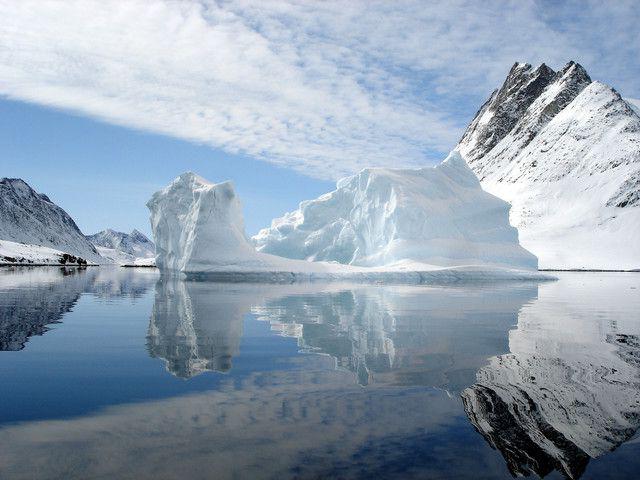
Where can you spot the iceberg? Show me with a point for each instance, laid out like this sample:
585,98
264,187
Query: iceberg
422,226
434,215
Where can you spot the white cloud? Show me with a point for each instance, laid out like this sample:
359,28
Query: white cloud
323,87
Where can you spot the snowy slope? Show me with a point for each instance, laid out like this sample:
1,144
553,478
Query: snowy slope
570,166
434,215
198,230
123,248
634,103
29,217
15,253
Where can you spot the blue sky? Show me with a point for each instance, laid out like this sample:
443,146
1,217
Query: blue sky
103,175
104,102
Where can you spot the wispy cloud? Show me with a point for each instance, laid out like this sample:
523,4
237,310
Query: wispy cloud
323,87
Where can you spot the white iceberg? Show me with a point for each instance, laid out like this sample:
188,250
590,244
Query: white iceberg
434,215
427,225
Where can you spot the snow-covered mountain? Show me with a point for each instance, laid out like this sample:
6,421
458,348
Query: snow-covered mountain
433,215
123,247
32,218
565,151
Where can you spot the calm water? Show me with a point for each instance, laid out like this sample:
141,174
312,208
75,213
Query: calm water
115,373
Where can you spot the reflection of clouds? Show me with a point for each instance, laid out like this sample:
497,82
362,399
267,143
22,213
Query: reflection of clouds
305,424
569,390
32,299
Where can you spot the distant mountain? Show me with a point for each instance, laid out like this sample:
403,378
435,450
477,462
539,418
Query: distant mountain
32,218
565,151
123,247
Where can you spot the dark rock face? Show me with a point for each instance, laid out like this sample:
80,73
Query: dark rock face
29,217
559,135
628,195
508,109
505,107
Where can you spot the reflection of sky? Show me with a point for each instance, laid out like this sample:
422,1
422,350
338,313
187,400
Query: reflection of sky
97,356
99,398
309,424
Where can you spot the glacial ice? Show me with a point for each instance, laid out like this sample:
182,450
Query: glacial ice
433,215
433,225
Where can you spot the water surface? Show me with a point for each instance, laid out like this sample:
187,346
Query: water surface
117,373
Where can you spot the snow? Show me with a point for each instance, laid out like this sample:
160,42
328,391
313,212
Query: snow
434,215
634,103
32,218
198,229
571,170
124,248
23,253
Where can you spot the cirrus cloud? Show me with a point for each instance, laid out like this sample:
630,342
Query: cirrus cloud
323,87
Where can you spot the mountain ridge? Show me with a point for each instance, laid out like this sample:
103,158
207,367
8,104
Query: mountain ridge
121,247
569,165
29,217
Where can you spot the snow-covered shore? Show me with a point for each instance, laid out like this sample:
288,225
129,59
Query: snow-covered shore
14,253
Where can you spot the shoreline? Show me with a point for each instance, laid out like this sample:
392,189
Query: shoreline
589,270
6,264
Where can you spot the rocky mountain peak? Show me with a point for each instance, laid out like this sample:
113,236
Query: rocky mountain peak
556,142
123,248
505,107
29,217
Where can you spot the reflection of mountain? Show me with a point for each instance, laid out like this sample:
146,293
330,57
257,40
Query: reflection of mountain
403,335
570,388
32,299
195,327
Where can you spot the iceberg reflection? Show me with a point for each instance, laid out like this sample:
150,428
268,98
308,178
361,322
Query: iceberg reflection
195,327
406,335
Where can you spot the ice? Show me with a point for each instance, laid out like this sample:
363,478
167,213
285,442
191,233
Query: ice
198,230
434,215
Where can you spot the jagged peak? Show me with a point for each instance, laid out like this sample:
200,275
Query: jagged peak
543,68
23,188
17,184
519,67
575,71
